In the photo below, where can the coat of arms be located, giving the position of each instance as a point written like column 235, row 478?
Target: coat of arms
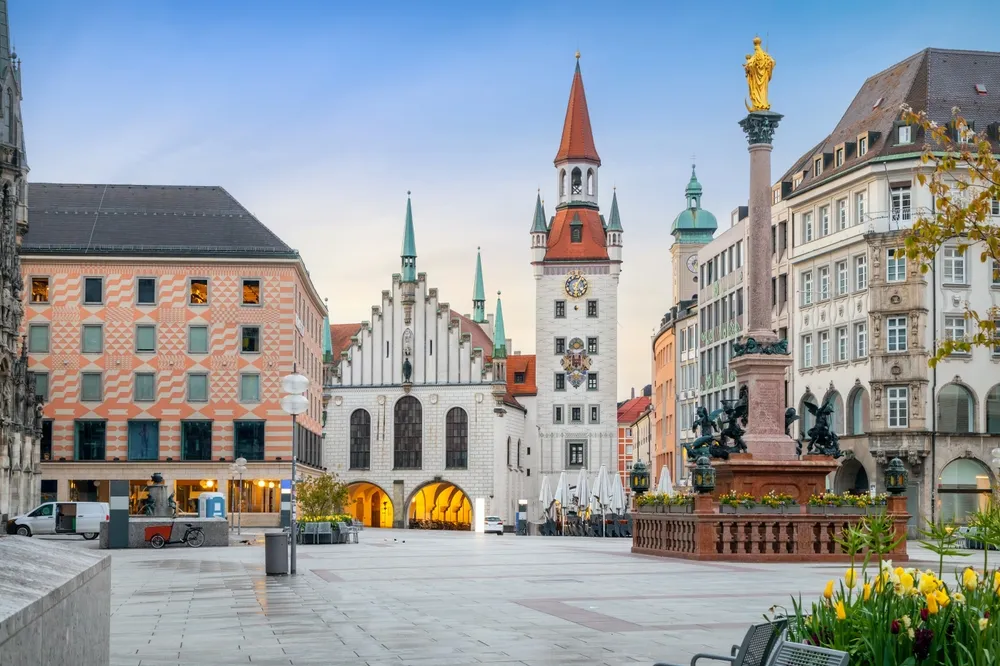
column 576, row 362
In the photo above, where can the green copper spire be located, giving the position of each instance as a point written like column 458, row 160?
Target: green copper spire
column 693, row 191
column 327, row 341
column 616, row 223
column 409, row 253
column 479, row 293
column 538, row 225
column 499, row 337
column 694, row 224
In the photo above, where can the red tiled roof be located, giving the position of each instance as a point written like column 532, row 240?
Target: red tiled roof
column 511, row 401
column 577, row 137
column 632, row 409
column 521, row 363
column 592, row 245
column 479, row 337
column 340, row 337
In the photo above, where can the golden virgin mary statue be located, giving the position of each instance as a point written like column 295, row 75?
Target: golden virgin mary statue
column 758, row 68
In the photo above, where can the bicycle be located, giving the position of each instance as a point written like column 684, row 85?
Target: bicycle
column 194, row 537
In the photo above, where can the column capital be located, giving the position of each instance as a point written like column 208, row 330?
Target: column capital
column 759, row 126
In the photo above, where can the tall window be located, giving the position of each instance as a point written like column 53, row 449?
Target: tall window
column 93, row 290
column 824, row 221
column 93, row 339
column 842, row 214
column 248, row 439
column 90, row 440
column 842, row 345
column 954, row 329
column 251, row 292
column 839, row 157
column 895, row 265
column 408, row 433
column 198, row 340
column 858, row 406
column 954, row 266
column 591, row 308
column 361, row 439
column 145, row 387
column 560, row 309
column 143, row 440
column 807, row 351
column 39, row 290
column 860, row 340
column 91, row 389
column 824, row 283
column 862, row 146
column 198, row 291
column 955, row 410
column 576, row 454
column 807, row 288
column 807, row 226
column 560, row 345
column 905, row 134
column 197, row 387
column 824, row 347
column 859, row 208
column 842, row 278
column 145, row 291
column 38, row 338
column 899, row 415
column 145, row 338
column 457, row 439
column 993, row 411
column 895, row 334
column 196, row 440
column 249, row 387
column 861, row 272
column 592, row 381
column 900, row 204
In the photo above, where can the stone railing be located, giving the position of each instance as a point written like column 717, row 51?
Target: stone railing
column 759, row 537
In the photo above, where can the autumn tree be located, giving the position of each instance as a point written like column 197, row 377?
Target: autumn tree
column 964, row 180
column 320, row 496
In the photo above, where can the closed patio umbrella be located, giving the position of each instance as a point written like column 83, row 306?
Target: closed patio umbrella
column 601, row 495
column 561, row 494
column 665, row 485
column 582, row 493
column 617, row 505
column 545, row 497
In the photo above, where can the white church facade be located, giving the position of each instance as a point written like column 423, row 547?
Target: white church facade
column 433, row 423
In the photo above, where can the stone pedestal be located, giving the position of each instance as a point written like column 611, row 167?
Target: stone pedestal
column 798, row 478
column 160, row 494
column 764, row 377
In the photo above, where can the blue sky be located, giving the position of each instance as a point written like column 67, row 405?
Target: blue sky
column 319, row 116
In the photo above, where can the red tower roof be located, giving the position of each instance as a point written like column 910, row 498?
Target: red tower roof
column 577, row 138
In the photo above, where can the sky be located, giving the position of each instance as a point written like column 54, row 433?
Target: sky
column 319, row 116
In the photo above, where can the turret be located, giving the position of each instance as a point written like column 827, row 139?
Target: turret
column 499, row 354
column 539, row 235
column 479, row 292
column 577, row 161
column 409, row 252
column 614, row 233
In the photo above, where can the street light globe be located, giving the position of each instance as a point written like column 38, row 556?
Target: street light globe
column 270, row 484
column 295, row 383
column 294, row 403
column 261, row 483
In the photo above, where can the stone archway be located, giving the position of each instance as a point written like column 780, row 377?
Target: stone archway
column 439, row 505
column 370, row 504
column 852, row 477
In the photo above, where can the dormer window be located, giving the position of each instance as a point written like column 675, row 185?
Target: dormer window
column 904, row 134
column 862, row 146
column 576, row 181
column 796, row 181
column 839, row 157
column 817, row 167
column 576, row 235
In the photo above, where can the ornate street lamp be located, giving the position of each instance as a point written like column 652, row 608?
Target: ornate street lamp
column 895, row 477
column 294, row 403
column 638, row 478
column 703, row 479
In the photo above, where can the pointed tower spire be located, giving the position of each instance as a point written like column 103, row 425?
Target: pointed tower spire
column 499, row 337
column 5, row 52
column 327, row 340
column 693, row 191
column 615, row 223
column 409, row 253
column 538, row 224
column 479, row 292
column 577, row 138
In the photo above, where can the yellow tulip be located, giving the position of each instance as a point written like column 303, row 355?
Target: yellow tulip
column 927, row 584
column 868, row 592
column 850, row 578
column 841, row 611
column 828, row 591
column 983, row 623
column 970, row 579
column 932, row 604
column 905, row 584
column 996, row 582
column 942, row 598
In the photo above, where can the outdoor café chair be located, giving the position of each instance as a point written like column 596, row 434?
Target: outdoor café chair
column 310, row 534
column 324, row 532
column 756, row 649
column 348, row 533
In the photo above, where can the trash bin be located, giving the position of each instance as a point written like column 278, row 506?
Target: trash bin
column 275, row 553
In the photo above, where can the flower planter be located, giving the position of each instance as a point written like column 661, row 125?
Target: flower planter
column 659, row 508
column 679, row 508
column 835, row 510
column 645, row 508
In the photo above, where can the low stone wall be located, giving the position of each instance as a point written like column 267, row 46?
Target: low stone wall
column 706, row 534
column 55, row 603
column 216, row 530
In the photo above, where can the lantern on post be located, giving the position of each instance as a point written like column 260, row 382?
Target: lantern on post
column 639, row 478
column 703, row 479
column 895, row 477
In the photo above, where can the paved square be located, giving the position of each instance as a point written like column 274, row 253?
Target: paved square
column 413, row 597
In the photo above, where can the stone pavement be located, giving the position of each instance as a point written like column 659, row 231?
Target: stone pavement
column 441, row 598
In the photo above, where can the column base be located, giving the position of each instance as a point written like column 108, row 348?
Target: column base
column 799, row 478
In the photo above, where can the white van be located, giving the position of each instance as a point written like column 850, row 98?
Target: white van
column 83, row 518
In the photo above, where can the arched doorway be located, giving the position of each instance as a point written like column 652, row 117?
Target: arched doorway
column 440, row 505
column 369, row 504
column 852, row 478
column 964, row 487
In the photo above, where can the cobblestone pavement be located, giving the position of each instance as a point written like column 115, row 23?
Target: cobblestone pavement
column 440, row 598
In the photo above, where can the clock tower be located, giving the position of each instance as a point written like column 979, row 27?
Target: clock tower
column 692, row 229
column 576, row 258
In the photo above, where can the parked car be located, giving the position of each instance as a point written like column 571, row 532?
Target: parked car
column 83, row 518
column 494, row 525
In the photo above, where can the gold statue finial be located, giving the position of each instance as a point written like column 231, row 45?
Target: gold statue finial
column 758, row 69
column 577, row 55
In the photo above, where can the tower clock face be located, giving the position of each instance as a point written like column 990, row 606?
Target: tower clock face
column 692, row 263
column 576, row 284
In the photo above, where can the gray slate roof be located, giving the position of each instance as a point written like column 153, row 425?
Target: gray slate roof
column 144, row 220
column 933, row 80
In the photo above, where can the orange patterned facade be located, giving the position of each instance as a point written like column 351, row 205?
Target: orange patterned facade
column 190, row 338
